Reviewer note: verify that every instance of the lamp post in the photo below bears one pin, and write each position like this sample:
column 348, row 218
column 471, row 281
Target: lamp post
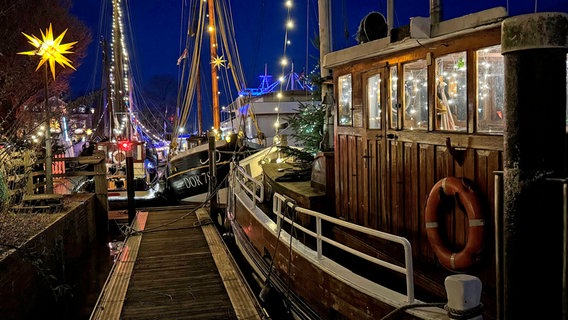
column 48, row 153
column 50, row 50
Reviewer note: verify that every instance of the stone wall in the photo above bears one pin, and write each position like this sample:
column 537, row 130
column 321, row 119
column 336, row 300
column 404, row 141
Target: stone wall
column 33, row 277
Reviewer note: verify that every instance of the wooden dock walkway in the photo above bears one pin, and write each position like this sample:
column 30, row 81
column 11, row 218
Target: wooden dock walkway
column 175, row 266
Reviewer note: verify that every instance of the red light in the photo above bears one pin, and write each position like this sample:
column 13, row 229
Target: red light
column 124, row 145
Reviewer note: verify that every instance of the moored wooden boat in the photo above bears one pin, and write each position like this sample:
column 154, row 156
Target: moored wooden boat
column 420, row 154
column 189, row 171
column 146, row 174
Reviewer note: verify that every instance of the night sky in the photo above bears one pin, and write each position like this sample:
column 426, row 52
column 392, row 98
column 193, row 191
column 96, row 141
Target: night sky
column 259, row 27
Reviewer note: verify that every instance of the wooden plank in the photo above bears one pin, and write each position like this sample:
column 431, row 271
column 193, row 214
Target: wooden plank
column 181, row 271
column 114, row 291
column 43, row 197
column 244, row 303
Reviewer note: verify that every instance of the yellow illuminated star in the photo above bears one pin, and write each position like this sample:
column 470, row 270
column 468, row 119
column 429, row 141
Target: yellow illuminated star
column 218, row 62
column 50, row 49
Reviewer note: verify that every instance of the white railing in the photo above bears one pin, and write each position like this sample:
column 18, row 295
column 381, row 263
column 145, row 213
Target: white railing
column 256, row 193
column 254, row 188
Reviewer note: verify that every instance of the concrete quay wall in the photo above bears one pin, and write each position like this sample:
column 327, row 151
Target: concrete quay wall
column 33, row 277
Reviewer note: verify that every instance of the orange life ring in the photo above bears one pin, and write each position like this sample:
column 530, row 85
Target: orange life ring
column 462, row 189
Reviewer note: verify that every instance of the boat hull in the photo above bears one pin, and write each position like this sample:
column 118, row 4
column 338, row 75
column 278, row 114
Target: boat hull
column 195, row 181
column 189, row 172
column 316, row 287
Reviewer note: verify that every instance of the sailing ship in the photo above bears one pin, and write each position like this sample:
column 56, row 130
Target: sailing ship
column 431, row 194
column 128, row 144
column 190, row 166
column 273, row 103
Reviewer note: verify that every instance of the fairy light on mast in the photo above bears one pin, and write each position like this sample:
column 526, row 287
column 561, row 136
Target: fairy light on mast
column 119, row 81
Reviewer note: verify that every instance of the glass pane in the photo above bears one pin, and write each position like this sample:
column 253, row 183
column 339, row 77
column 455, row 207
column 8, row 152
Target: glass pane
column 490, row 90
column 415, row 95
column 374, row 101
column 451, row 92
column 394, row 97
column 345, row 116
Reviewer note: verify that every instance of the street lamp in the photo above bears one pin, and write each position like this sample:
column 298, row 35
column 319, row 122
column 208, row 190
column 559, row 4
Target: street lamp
column 52, row 50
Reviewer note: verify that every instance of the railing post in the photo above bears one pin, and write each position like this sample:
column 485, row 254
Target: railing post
column 278, row 211
column 318, row 243
column 28, row 165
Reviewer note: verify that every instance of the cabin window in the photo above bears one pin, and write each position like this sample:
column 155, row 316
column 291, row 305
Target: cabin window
column 490, row 90
column 345, row 113
column 374, row 101
column 415, row 95
column 393, row 97
column 451, row 92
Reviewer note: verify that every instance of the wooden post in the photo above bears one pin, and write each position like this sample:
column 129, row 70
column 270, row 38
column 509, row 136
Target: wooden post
column 326, row 88
column 130, row 185
column 28, row 165
column 534, row 47
column 212, row 173
column 101, row 191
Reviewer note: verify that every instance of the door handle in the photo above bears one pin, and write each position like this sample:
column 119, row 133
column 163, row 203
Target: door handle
column 392, row 136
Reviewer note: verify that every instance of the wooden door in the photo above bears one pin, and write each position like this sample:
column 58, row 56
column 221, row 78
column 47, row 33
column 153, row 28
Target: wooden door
column 375, row 97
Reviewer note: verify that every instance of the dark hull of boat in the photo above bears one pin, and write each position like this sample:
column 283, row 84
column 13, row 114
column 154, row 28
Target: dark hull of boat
column 195, row 181
column 189, row 174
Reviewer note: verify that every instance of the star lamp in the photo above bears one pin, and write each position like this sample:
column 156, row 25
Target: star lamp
column 51, row 50
column 218, row 62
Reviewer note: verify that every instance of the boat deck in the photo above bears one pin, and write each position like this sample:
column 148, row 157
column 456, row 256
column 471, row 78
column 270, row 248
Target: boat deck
column 175, row 267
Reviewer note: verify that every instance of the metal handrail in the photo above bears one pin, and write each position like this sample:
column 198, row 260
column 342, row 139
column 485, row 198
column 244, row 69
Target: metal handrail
column 242, row 177
column 256, row 193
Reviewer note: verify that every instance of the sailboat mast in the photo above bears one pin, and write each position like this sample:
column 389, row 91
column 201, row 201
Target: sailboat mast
column 214, row 80
column 107, row 115
column 119, row 80
column 199, row 113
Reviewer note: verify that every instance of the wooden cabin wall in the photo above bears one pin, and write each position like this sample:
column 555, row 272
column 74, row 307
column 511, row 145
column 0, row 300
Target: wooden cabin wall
column 384, row 176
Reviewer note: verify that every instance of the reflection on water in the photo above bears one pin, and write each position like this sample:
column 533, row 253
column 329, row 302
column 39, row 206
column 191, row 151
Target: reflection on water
column 88, row 278
column 71, row 290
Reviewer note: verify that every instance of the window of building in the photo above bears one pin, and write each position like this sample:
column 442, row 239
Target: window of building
column 451, row 92
column 345, row 112
column 490, row 90
column 415, row 75
column 374, row 101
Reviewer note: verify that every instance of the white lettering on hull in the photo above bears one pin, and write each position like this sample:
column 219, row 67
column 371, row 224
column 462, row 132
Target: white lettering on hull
column 192, row 181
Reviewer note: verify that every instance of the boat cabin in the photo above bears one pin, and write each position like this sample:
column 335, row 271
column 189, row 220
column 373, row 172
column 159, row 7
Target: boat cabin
column 419, row 142
column 116, row 153
column 410, row 110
